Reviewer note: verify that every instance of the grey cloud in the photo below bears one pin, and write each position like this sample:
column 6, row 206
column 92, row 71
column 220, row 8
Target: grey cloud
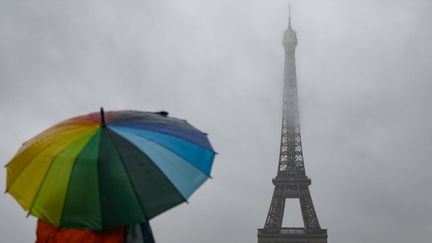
column 364, row 86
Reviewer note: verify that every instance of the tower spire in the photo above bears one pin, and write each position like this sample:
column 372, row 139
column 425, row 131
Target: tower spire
column 289, row 15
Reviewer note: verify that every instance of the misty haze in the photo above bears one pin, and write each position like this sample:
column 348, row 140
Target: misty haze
column 364, row 83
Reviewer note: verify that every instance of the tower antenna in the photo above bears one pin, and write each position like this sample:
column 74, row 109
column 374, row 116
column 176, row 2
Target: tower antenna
column 289, row 14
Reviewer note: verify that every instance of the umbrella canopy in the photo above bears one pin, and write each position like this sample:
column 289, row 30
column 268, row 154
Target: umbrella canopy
column 104, row 170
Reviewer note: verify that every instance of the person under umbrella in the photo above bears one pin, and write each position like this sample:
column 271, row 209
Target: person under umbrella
column 138, row 233
column 103, row 171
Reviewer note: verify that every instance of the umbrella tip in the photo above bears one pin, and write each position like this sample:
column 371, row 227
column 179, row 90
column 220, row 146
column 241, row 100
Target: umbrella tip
column 162, row 113
column 102, row 114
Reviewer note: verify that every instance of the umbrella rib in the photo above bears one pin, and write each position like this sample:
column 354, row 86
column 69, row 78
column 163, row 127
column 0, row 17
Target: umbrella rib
column 98, row 179
column 38, row 136
column 40, row 150
column 163, row 174
column 36, row 154
column 127, row 173
column 42, row 182
column 167, row 134
column 46, row 173
column 69, row 182
column 177, row 154
column 24, row 167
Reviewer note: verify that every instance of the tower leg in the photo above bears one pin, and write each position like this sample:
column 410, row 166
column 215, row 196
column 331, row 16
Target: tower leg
column 276, row 212
column 310, row 218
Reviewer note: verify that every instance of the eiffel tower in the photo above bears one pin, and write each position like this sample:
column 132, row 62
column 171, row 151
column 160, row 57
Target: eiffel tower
column 291, row 180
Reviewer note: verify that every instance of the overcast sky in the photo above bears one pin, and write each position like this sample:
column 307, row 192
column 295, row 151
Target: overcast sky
column 365, row 83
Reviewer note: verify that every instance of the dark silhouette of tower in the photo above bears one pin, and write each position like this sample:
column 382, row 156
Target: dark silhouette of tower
column 291, row 180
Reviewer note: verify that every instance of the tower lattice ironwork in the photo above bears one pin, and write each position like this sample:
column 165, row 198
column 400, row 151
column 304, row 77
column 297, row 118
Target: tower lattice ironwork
column 291, row 180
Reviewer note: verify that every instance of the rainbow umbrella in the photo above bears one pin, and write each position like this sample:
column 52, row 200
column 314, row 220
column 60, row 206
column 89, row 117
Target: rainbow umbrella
column 104, row 170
